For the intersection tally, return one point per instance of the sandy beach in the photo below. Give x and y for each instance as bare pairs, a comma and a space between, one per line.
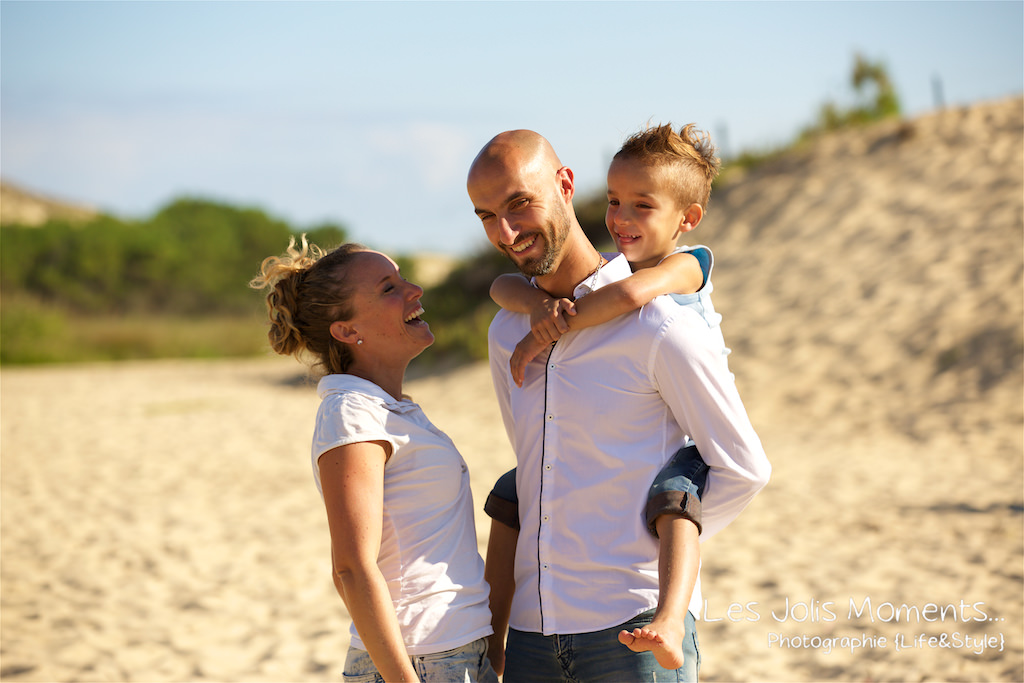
159, 520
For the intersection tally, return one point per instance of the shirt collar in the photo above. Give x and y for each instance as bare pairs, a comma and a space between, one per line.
617, 268
341, 384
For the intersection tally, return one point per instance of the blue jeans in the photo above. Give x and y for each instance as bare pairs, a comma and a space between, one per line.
594, 657
466, 664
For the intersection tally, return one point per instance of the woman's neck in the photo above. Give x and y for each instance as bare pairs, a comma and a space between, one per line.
387, 378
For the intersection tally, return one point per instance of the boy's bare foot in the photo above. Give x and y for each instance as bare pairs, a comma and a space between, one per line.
661, 639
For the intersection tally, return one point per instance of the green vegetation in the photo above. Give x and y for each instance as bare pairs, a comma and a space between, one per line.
107, 289
175, 285
876, 100
883, 104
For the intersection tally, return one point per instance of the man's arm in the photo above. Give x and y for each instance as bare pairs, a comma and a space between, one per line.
699, 390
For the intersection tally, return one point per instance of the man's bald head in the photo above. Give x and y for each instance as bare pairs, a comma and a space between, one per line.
522, 150
523, 196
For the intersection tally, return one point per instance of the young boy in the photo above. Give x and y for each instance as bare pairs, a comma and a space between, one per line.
658, 187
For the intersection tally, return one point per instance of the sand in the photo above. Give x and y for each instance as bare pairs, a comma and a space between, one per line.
159, 519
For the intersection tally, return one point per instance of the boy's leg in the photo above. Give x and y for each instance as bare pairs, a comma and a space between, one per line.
677, 488
673, 515
499, 566
678, 565
503, 502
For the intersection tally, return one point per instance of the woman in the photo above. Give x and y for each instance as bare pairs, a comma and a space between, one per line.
396, 490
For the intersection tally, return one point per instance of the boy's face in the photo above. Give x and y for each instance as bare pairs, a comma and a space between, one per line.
643, 216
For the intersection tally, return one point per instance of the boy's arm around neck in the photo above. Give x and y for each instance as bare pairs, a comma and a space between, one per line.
676, 274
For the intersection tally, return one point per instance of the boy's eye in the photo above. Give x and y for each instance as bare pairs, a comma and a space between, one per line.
613, 202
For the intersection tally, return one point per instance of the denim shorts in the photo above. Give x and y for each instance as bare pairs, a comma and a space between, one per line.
676, 490
466, 664
594, 657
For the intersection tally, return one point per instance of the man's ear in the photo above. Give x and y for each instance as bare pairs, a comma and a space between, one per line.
344, 332
566, 183
691, 218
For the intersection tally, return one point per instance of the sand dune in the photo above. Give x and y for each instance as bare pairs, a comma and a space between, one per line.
159, 520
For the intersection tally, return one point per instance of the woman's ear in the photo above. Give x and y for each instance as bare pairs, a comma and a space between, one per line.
692, 217
344, 332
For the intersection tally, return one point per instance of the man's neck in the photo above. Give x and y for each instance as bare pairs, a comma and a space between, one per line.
579, 260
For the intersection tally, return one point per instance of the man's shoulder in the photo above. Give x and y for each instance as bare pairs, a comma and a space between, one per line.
507, 328
666, 319
664, 310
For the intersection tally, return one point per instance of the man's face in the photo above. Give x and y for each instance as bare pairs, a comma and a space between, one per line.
523, 213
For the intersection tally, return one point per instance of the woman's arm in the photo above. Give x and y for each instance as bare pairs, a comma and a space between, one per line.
352, 480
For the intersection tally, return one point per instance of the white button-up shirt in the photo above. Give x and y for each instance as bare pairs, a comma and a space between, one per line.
597, 418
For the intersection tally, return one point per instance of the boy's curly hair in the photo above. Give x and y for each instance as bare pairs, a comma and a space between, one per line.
688, 155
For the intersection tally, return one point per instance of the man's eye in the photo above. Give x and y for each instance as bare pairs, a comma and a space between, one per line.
519, 203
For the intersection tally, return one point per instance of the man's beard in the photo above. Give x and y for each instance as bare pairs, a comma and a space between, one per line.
554, 238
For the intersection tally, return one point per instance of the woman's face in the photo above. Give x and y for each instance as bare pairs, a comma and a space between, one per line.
387, 308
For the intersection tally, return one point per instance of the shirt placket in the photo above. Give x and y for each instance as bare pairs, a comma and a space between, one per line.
546, 540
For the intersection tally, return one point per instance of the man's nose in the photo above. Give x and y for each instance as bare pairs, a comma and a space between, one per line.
507, 233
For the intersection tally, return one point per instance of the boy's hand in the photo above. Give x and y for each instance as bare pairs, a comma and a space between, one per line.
526, 350
548, 323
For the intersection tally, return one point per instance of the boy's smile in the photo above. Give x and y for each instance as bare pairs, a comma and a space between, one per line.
643, 216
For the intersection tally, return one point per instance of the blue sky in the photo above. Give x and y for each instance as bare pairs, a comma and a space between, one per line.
369, 113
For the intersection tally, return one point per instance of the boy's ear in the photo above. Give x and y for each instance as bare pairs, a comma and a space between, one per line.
344, 332
691, 218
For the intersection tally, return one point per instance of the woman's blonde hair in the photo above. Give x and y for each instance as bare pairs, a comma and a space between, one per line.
307, 290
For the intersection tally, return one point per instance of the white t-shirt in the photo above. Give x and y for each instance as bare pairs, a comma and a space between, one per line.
428, 553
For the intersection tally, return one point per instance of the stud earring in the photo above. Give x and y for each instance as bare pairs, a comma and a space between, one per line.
359, 341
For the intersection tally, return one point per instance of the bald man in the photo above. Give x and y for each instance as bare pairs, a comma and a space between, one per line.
594, 422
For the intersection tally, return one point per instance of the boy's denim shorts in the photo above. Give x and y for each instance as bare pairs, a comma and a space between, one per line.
676, 490
466, 664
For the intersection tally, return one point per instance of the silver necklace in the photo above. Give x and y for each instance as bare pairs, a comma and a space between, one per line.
593, 280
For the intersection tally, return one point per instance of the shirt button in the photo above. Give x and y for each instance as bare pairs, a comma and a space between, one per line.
545, 518
551, 417
547, 467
